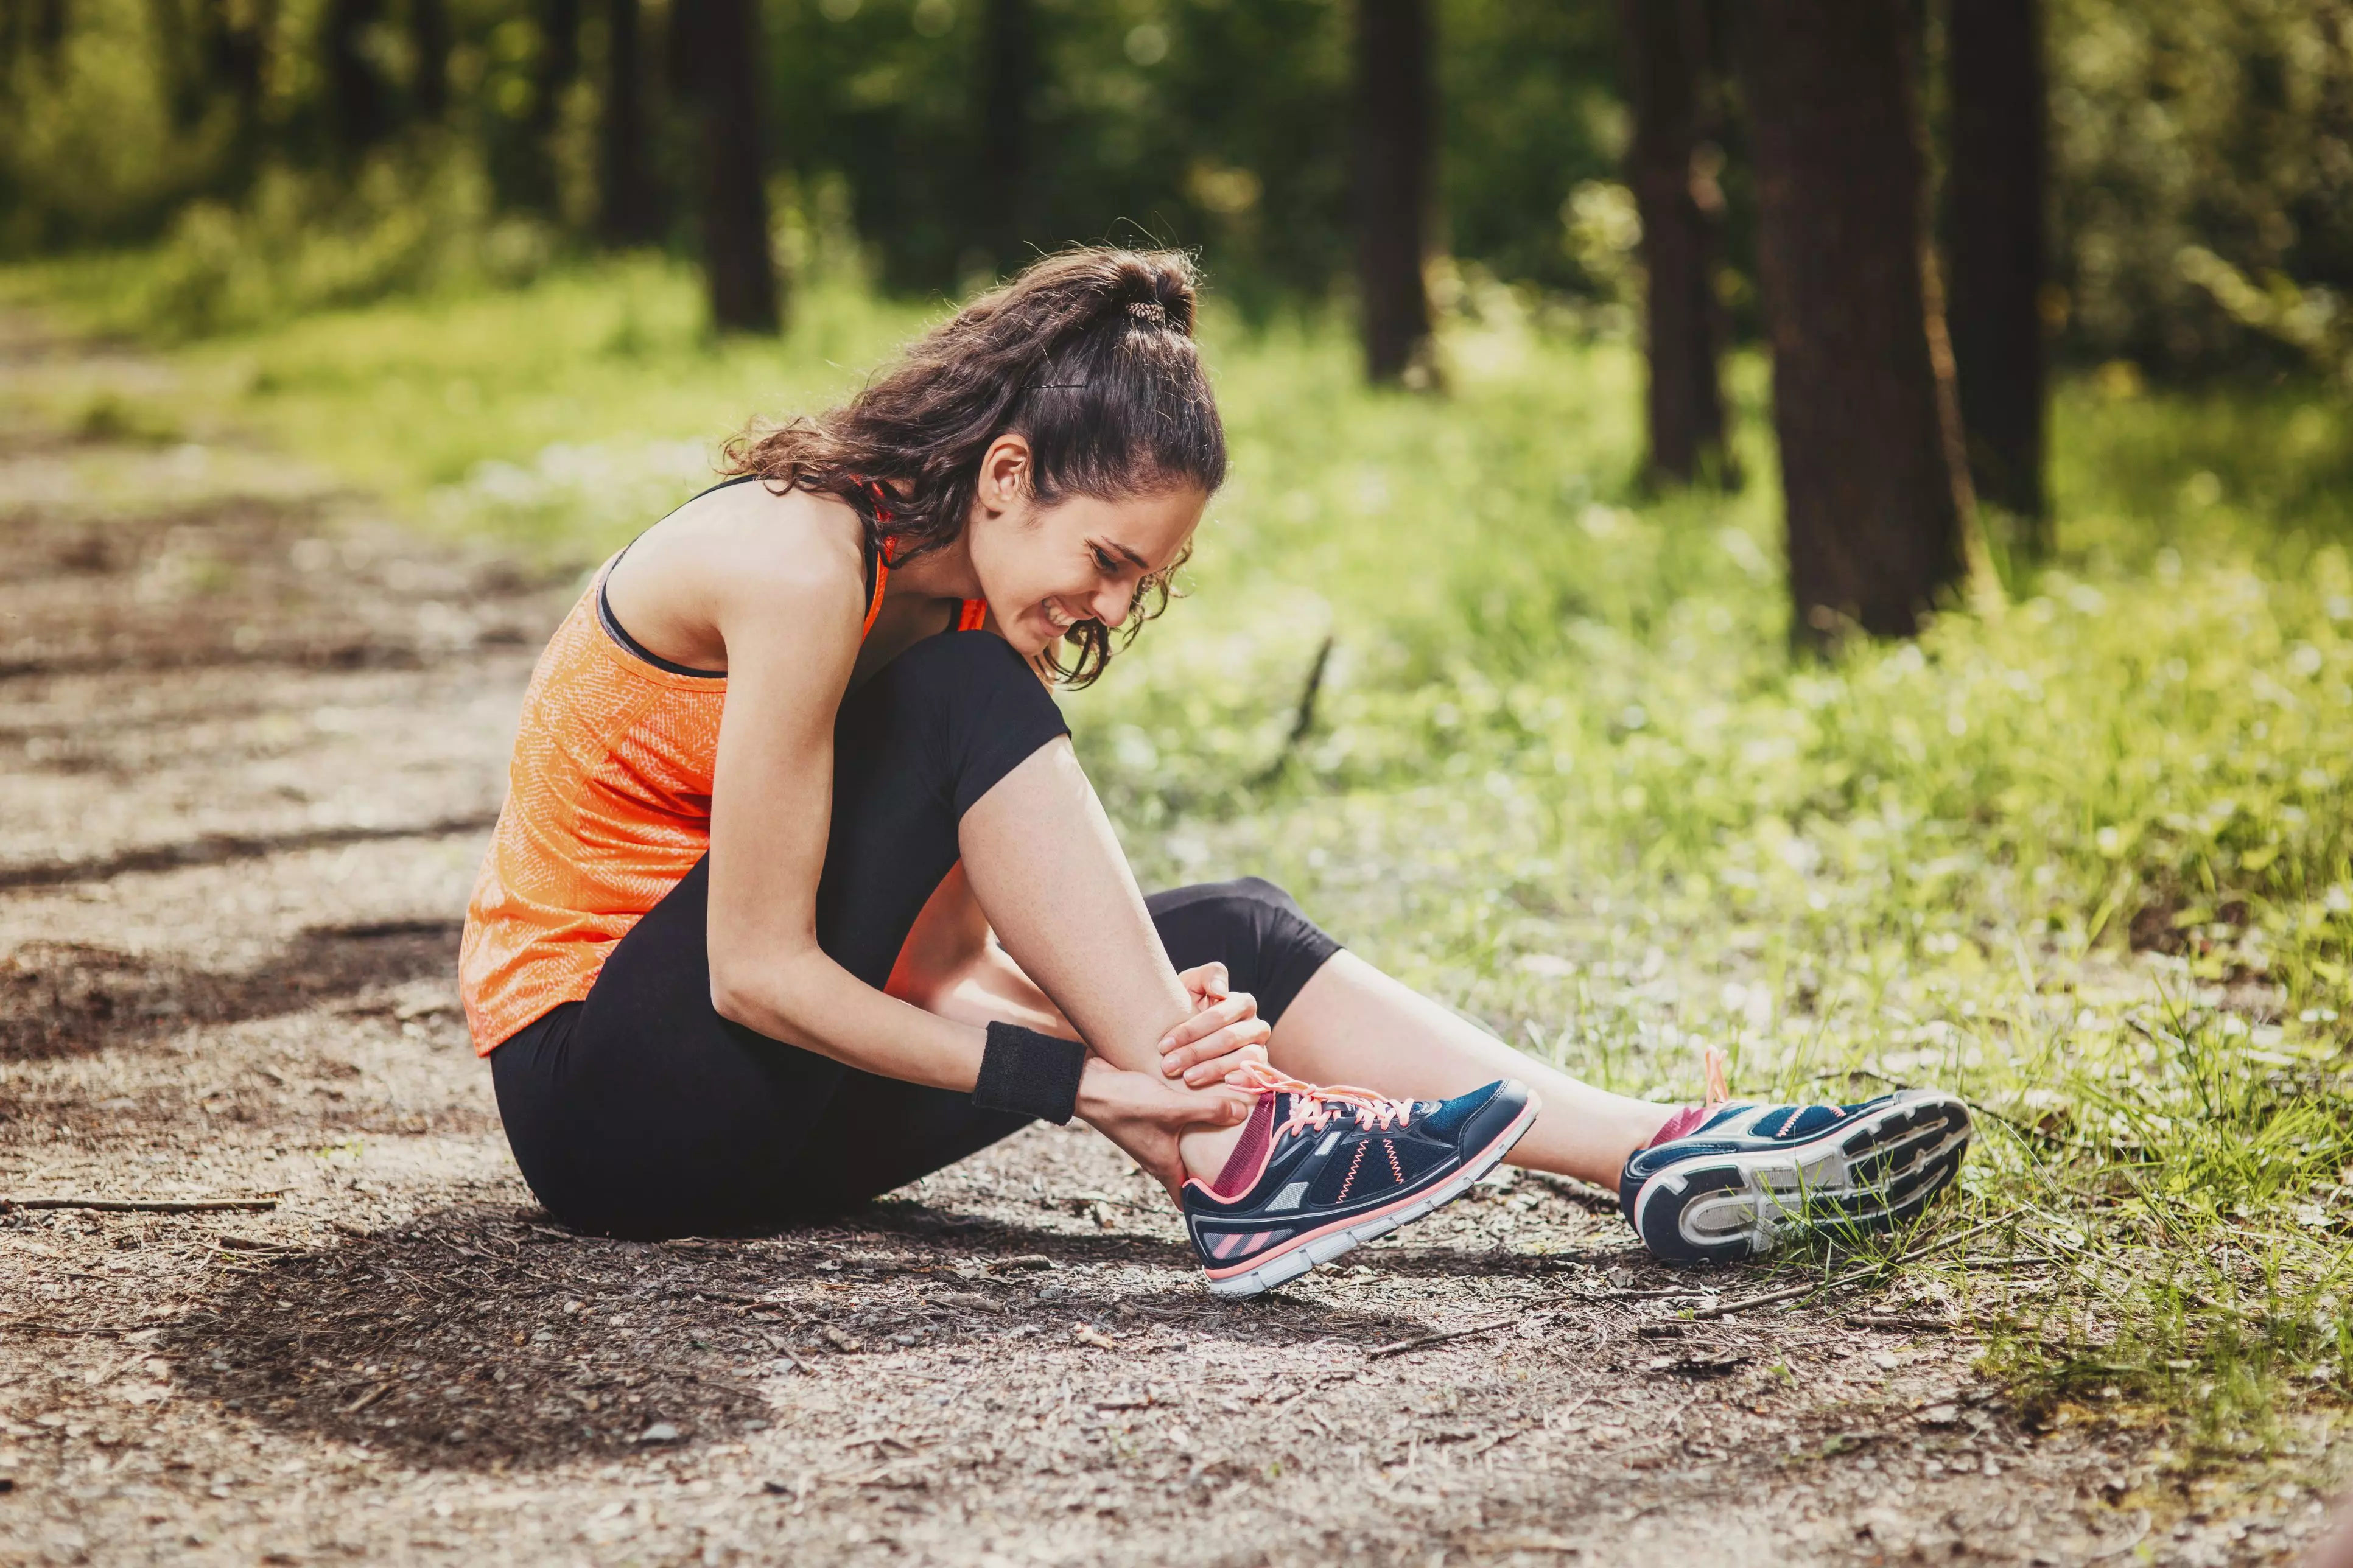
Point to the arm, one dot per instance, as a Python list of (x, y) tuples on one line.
[(790, 620)]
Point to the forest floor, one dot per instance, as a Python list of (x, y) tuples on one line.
[(252, 737)]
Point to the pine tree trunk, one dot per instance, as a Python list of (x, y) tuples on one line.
[(1396, 118), (428, 37), (626, 212), (1995, 247), (1666, 49), (1876, 507), (537, 180), (724, 36), (1009, 74), (50, 25), (359, 107)]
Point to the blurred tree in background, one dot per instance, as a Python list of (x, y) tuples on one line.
[(2201, 161)]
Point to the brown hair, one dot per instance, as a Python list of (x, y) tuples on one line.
[(1089, 354)]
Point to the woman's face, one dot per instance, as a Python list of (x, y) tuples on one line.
[(1045, 569)]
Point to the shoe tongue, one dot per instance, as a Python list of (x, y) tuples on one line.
[(1681, 1124), (1248, 1158)]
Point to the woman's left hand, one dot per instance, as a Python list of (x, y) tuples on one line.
[(1224, 1032)]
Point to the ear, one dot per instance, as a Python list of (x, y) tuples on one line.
[(1005, 472)]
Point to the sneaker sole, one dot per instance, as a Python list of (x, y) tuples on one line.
[(1322, 1246), (1871, 1175)]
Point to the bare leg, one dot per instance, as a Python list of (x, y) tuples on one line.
[(1050, 875), (1352, 1024)]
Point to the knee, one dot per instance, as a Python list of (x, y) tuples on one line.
[(1267, 942), (1253, 901), (954, 668), (961, 702)]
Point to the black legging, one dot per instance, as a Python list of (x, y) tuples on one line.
[(641, 1112)]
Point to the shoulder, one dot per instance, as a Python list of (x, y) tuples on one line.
[(795, 549)]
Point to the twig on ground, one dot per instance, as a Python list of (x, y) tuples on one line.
[(1816, 1287), (1303, 721), (1422, 1340), (141, 1206), (29, 1326)]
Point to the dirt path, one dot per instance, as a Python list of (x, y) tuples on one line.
[(252, 737)]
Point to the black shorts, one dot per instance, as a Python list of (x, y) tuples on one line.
[(641, 1112)]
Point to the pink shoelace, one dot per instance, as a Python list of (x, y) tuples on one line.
[(1313, 1105), (1687, 1121)]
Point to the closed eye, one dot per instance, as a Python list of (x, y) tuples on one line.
[(1104, 564)]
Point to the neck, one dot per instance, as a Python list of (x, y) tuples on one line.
[(944, 574)]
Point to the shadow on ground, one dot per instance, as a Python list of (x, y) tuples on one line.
[(65, 999), (476, 1338)]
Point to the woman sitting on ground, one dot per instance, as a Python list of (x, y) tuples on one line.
[(799, 892)]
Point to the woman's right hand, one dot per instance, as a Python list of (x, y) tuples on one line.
[(1146, 1115)]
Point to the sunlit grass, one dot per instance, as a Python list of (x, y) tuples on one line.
[(2087, 861)]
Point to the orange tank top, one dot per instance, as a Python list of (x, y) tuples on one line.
[(607, 809)]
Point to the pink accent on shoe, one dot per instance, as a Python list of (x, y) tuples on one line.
[(1248, 1161), (1681, 1124), (1350, 1181)]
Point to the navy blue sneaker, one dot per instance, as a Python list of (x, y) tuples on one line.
[(1729, 1180), (1319, 1169)]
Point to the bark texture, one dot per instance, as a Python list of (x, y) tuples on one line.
[(1995, 249), (359, 107), (1666, 58), (725, 40), (1396, 118), (1876, 509), (428, 37), (628, 209), (1008, 75)]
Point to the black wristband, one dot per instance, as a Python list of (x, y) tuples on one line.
[(1034, 1074)]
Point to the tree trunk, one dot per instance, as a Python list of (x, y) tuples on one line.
[(1009, 72), (1666, 50), (1395, 116), (724, 36), (1877, 509), (50, 25), (626, 212), (359, 108), (428, 37), (1994, 244), (537, 180)]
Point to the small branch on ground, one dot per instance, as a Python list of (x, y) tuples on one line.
[(1304, 719), (1869, 1270), (141, 1205), (1422, 1340)]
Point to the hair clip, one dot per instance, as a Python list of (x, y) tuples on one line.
[(1148, 311)]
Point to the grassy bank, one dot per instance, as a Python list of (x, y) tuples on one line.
[(2086, 860)]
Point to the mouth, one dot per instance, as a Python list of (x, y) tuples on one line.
[(1057, 617)]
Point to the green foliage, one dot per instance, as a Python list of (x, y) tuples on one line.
[(411, 222), (2184, 135), (2087, 860)]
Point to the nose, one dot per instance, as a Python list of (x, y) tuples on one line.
[(1111, 603)]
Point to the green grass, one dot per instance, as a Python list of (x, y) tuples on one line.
[(2086, 860)]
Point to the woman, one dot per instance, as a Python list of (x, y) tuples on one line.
[(799, 892)]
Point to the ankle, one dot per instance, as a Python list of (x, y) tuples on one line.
[(1205, 1152)]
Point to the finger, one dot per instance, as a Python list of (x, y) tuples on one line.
[(1228, 1037), (1208, 1020), (1213, 1075), (1208, 980), (1210, 1060)]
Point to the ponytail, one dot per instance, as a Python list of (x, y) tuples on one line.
[(1088, 354)]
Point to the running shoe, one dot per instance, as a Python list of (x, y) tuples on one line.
[(1728, 1180), (1321, 1169)]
